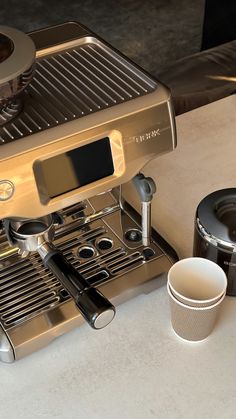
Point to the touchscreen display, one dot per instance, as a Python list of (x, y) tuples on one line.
[(77, 167)]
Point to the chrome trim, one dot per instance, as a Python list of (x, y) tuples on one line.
[(104, 319), (146, 222), (86, 247), (215, 241), (103, 239)]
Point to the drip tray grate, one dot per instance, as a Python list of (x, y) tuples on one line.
[(27, 291), (27, 288)]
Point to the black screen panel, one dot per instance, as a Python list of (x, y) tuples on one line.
[(77, 167)]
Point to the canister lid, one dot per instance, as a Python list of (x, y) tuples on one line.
[(217, 215)]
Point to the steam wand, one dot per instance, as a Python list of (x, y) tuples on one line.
[(145, 187)]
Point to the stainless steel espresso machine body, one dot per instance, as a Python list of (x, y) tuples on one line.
[(75, 125)]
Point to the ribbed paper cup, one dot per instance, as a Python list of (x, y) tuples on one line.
[(193, 323), (197, 282)]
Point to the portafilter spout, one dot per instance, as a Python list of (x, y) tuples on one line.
[(37, 235)]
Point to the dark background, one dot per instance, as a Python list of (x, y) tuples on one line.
[(219, 23), (154, 33)]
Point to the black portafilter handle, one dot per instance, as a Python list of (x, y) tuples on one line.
[(96, 309)]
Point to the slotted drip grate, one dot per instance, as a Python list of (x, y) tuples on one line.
[(28, 288)]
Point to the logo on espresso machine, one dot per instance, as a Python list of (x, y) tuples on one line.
[(146, 136)]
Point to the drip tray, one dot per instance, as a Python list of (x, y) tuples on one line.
[(34, 307)]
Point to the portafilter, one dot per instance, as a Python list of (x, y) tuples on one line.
[(36, 235)]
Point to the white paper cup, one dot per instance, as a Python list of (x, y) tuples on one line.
[(193, 323), (197, 282)]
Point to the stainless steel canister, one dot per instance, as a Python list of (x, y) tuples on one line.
[(215, 232)]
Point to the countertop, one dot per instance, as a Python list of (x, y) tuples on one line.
[(137, 367)]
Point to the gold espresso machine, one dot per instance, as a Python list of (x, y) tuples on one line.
[(77, 121)]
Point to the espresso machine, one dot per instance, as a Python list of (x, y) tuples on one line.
[(77, 121)]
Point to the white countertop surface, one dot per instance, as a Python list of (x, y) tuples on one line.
[(137, 367)]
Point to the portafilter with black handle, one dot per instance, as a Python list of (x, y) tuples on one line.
[(36, 235)]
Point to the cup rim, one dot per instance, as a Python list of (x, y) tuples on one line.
[(192, 300), (209, 301), (199, 303), (191, 307)]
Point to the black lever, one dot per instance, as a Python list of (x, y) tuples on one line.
[(93, 305)]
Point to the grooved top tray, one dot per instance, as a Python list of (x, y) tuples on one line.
[(74, 83)]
